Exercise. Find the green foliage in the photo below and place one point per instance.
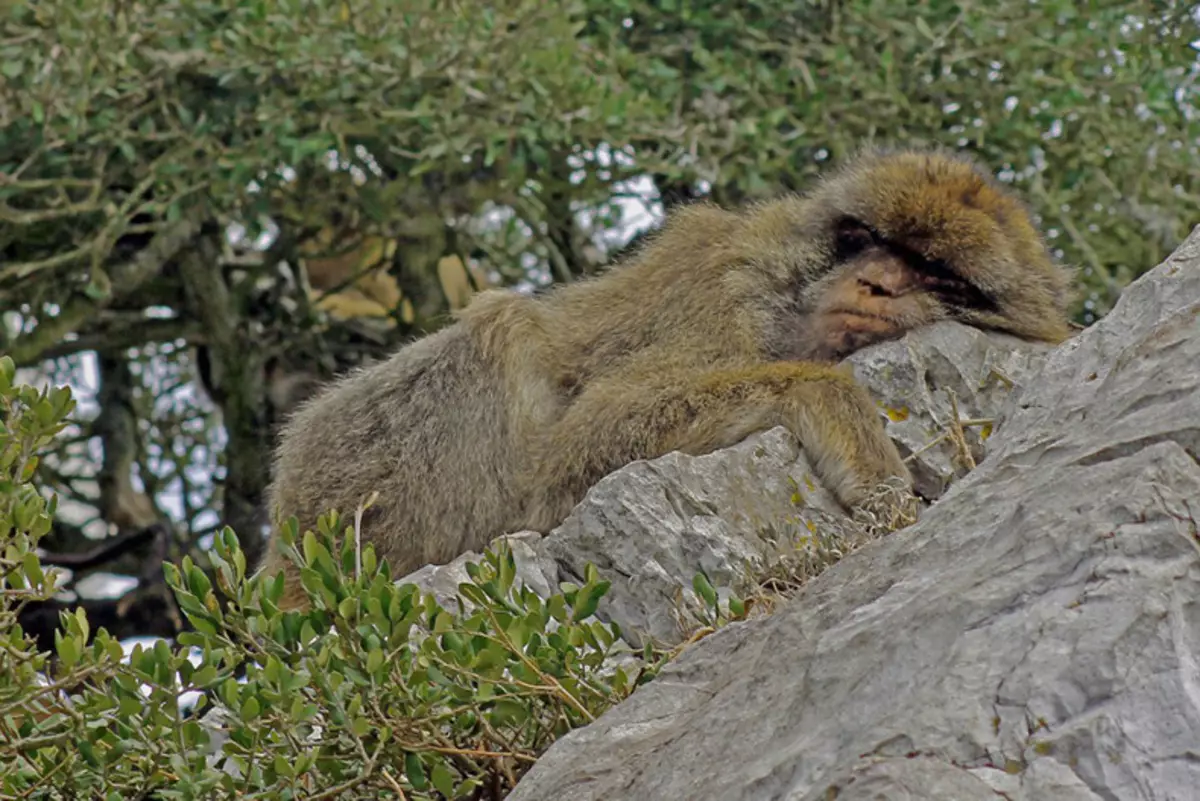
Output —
(30, 418)
(710, 612)
(148, 109)
(376, 692)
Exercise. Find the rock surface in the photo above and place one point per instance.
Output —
(649, 527)
(923, 379)
(535, 570)
(1035, 636)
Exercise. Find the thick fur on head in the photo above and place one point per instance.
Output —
(724, 323)
(975, 254)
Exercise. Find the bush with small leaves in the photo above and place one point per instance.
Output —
(376, 691)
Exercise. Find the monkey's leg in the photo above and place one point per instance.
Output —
(623, 418)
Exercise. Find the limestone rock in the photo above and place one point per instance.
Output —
(1035, 636)
(651, 526)
(922, 379)
(534, 570)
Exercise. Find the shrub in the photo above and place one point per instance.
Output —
(376, 692)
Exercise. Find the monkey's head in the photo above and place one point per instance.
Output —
(898, 240)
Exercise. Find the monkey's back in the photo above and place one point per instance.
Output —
(442, 476)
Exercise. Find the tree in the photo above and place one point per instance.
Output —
(207, 208)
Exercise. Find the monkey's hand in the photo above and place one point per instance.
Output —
(890, 506)
(644, 414)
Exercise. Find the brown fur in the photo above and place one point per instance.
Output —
(726, 323)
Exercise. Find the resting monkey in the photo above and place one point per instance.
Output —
(724, 324)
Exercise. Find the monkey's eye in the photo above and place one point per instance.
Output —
(939, 278)
(953, 288)
(938, 273)
(852, 237)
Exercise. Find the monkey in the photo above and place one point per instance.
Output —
(724, 323)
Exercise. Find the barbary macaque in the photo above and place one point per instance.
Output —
(723, 324)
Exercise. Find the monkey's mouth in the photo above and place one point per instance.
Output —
(831, 334)
(864, 320)
(844, 331)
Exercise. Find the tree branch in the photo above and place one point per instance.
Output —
(238, 387)
(125, 278)
(120, 337)
(121, 504)
(103, 553)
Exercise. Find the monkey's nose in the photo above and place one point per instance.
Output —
(873, 289)
(889, 279)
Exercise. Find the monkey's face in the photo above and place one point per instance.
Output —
(876, 291)
(911, 239)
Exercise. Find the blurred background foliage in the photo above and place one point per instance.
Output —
(207, 207)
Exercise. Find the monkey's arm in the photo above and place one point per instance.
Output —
(630, 416)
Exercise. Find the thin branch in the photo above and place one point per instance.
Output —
(27, 268)
(119, 337)
(46, 183)
(17, 217)
(104, 552)
(98, 247)
(125, 279)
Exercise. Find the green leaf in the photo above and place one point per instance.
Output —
(282, 766)
(81, 626)
(67, 648)
(250, 709)
(442, 779)
(415, 771)
(33, 568)
(705, 590)
(198, 581)
(588, 599)
(507, 712)
(205, 676)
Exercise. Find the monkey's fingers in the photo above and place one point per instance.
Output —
(840, 430)
(889, 507)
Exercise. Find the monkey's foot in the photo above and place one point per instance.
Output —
(888, 507)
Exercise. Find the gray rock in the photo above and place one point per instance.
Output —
(914, 378)
(1036, 635)
(905, 779)
(651, 526)
(534, 570)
